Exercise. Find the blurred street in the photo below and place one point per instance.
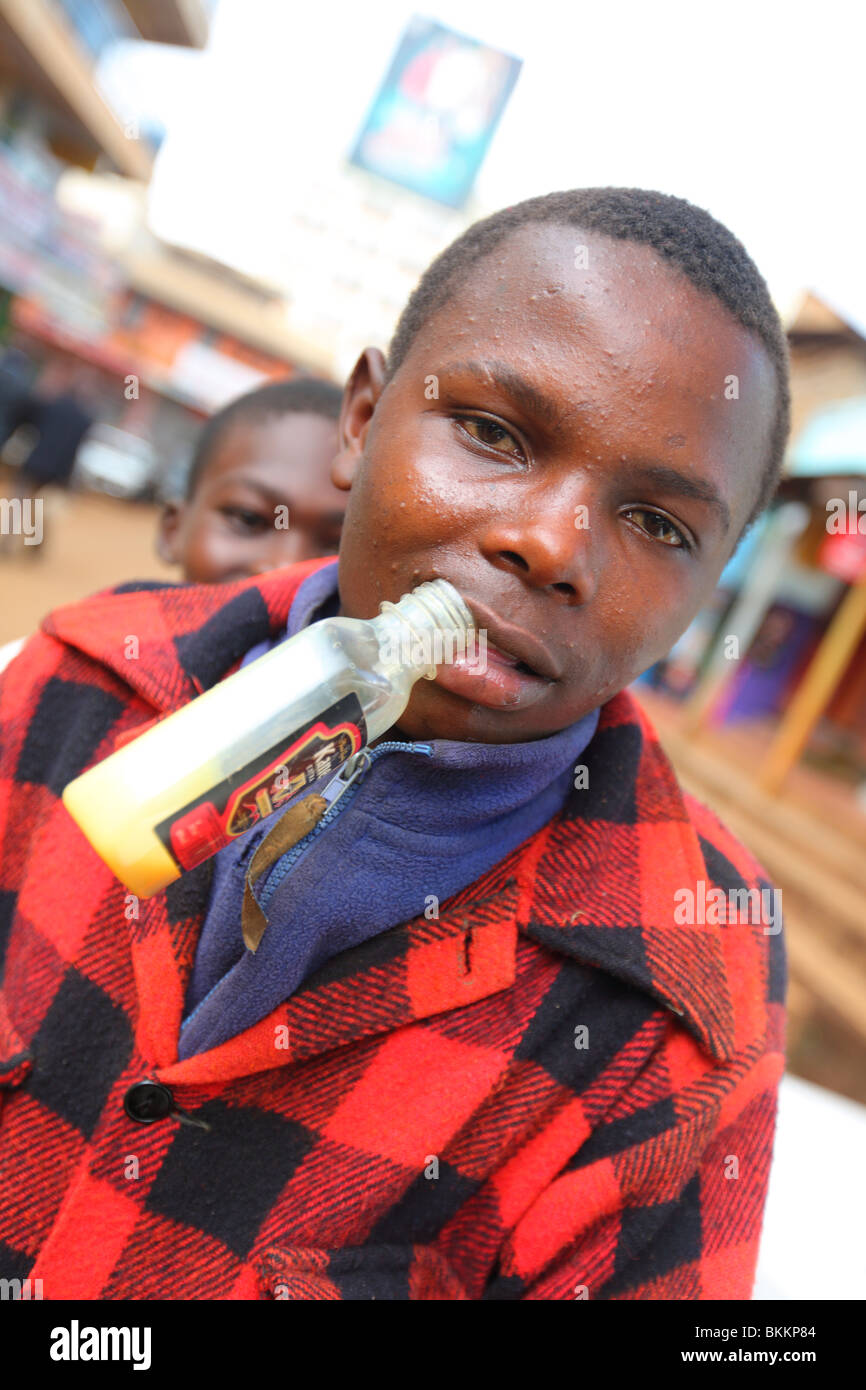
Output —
(91, 542)
(812, 844)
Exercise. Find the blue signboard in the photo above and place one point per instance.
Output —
(433, 118)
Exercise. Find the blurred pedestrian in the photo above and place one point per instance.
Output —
(15, 375)
(61, 410)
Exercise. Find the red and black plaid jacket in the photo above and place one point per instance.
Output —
(551, 1092)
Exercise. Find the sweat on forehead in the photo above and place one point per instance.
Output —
(530, 283)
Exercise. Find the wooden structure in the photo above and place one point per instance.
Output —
(809, 852)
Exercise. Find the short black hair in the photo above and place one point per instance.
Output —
(302, 395)
(706, 251)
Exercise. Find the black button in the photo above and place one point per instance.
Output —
(147, 1101)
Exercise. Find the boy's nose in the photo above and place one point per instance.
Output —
(553, 535)
(549, 549)
(547, 553)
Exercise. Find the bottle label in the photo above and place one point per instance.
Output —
(210, 821)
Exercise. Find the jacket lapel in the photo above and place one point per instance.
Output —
(628, 842)
(170, 642)
(596, 884)
(188, 637)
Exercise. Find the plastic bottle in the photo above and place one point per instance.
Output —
(187, 786)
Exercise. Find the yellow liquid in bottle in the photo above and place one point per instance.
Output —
(173, 797)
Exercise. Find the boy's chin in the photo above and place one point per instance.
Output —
(436, 713)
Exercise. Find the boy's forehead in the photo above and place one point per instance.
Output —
(295, 441)
(608, 329)
(551, 291)
(591, 287)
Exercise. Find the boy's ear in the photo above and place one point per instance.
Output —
(363, 389)
(168, 532)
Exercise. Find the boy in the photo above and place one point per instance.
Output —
(259, 493)
(265, 457)
(493, 1043)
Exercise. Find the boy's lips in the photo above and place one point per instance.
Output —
(514, 644)
(498, 686)
(517, 672)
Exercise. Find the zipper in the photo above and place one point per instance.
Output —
(341, 789)
(339, 792)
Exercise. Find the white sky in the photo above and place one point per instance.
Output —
(752, 109)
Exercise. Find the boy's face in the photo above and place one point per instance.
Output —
(232, 527)
(551, 442)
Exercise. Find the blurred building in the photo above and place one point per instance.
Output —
(107, 277)
(169, 336)
(367, 196)
(49, 50)
(828, 358)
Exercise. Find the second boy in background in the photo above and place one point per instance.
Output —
(266, 456)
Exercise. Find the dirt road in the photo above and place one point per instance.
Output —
(89, 542)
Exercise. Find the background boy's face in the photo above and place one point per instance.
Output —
(580, 433)
(228, 531)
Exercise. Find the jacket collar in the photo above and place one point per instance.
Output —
(630, 841)
(170, 642)
(627, 837)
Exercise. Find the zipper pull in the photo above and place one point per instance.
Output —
(356, 767)
(353, 770)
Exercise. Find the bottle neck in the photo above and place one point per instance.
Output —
(425, 629)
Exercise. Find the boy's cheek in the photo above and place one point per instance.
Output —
(403, 513)
(211, 552)
(418, 462)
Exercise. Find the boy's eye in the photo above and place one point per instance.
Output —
(659, 527)
(242, 519)
(488, 432)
